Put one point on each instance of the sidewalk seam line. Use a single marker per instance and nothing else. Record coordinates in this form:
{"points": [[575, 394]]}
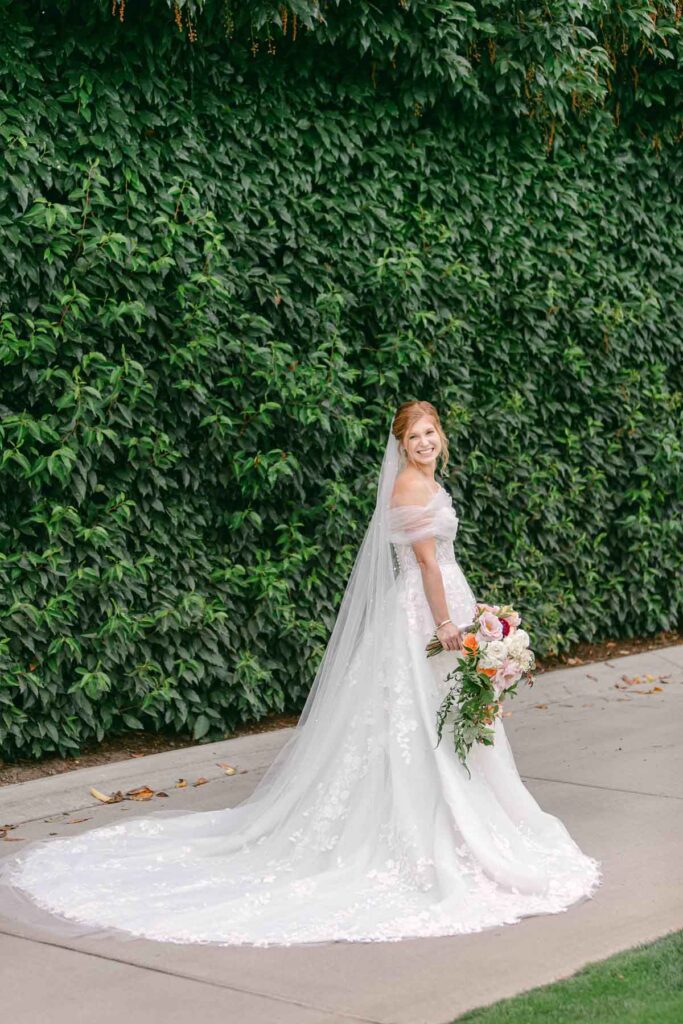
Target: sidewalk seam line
{"points": [[537, 778], [99, 804], [670, 660], [191, 977], [608, 789]]}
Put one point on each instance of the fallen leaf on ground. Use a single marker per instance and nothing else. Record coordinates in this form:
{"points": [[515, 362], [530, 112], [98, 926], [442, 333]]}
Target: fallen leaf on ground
{"points": [[227, 768], [653, 689], [137, 755], [113, 798], [540, 705], [181, 783], [649, 678], [162, 794], [76, 821], [141, 793], [200, 781], [13, 839]]}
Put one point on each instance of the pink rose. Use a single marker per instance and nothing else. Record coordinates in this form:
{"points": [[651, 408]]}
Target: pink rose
{"points": [[508, 673], [514, 618], [490, 628]]}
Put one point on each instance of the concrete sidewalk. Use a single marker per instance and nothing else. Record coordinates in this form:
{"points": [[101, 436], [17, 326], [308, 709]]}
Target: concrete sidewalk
{"points": [[601, 753]]}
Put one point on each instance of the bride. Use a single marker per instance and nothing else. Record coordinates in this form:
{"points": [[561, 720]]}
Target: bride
{"points": [[362, 829]]}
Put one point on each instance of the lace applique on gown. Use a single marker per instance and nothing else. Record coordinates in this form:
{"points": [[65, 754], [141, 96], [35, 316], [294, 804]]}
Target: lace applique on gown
{"points": [[369, 834]]}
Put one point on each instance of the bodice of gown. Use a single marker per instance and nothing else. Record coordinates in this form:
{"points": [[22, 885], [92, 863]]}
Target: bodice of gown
{"points": [[411, 523]]}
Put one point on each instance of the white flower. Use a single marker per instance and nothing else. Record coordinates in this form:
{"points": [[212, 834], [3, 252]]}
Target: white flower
{"points": [[517, 642], [524, 660], [493, 654]]}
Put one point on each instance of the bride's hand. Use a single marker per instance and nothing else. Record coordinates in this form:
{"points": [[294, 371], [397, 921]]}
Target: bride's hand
{"points": [[449, 637]]}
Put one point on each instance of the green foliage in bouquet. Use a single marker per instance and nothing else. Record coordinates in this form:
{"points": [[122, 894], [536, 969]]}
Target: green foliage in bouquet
{"points": [[232, 239], [469, 706], [488, 672]]}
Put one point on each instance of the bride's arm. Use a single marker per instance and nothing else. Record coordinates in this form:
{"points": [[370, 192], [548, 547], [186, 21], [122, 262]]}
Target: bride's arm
{"points": [[432, 580], [408, 493], [432, 583]]}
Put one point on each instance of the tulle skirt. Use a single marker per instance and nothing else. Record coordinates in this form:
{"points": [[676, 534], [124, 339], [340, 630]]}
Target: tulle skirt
{"points": [[366, 831]]}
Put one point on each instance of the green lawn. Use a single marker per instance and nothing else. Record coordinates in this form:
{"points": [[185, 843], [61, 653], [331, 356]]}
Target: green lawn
{"points": [[644, 985]]}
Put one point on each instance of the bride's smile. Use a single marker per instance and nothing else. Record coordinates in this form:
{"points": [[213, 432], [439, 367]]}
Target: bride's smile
{"points": [[423, 445]]}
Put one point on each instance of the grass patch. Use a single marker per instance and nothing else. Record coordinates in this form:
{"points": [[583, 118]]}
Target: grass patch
{"points": [[643, 985]]}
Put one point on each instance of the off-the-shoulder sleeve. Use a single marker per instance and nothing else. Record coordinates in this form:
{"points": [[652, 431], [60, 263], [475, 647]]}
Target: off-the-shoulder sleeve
{"points": [[411, 523]]}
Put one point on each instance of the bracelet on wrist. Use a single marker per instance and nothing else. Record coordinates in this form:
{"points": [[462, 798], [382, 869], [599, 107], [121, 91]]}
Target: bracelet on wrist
{"points": [[442, 623]]}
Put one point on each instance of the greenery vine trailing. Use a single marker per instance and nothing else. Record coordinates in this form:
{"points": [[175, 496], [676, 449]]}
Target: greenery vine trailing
{"points": [[229, 249]]}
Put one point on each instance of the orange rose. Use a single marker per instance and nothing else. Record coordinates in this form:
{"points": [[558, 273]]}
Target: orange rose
{"points": [[470, 643], [490, 672]]}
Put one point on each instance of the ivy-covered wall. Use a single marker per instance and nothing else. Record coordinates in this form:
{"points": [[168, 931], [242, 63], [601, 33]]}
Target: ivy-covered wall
{"points": [[232, 241]]}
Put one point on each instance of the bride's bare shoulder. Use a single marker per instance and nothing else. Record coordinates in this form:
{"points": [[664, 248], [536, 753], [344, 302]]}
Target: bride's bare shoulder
{"points": [[409, 489]]}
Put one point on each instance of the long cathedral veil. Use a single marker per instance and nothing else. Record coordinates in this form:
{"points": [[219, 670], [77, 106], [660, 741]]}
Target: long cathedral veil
{"points": [[363, 608], [362, 620]]}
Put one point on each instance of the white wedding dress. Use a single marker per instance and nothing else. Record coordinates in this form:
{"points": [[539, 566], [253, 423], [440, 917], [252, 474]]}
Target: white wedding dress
{"points": [[364, 831]]}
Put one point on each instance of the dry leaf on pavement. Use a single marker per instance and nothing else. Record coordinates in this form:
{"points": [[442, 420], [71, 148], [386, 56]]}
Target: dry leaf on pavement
{"points": [[113, 798], [141, 793], [649, 678]]}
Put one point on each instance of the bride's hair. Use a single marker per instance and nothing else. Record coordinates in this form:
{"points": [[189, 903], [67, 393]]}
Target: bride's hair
{"points": [[407, 414]]}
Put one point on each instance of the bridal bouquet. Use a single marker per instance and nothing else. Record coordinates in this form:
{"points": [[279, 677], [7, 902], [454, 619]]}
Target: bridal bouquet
{"points": [[496, 655]]}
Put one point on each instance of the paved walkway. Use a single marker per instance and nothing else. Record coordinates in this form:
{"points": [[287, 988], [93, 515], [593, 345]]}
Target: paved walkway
{"points": [[602, 753]]}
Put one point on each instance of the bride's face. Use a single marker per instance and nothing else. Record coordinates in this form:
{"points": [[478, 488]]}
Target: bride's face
{"points": [[422, 442]]}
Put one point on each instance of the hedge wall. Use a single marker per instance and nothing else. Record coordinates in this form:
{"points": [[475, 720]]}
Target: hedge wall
{"points": [[232, 241]]}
